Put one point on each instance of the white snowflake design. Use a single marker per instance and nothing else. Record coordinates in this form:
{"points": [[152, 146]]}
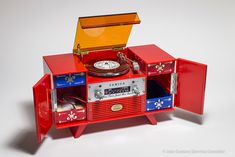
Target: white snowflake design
{"points": [[158, 104], [70, 79], [160, 67], [71, 116]]}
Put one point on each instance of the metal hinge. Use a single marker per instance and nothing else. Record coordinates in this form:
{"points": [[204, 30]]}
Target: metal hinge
{"points": [[79, 52], [174, 83], [117, 48], [53, 100]]}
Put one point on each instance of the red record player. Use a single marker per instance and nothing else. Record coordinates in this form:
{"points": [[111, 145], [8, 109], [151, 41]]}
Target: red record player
{"points": [[103, 80]]}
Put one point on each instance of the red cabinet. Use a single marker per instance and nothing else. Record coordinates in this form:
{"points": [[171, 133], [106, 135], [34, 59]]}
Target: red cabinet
{"points": [[189, 79], [187, 86], [153, 81]]}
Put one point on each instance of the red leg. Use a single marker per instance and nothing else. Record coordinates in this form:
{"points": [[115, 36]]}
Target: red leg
{"points": [[151, 119], [77, 130]]}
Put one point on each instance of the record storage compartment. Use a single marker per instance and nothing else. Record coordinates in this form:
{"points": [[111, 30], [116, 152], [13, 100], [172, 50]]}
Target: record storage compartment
{"points": [[71, 104], [158, 93]]}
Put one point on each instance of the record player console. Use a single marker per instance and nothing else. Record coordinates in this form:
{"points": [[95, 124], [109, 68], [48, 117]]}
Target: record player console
{"points": [[103, 80]]}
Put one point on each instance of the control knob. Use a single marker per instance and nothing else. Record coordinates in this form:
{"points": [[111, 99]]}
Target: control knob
{"points": [[136, 90], [99, 94]]}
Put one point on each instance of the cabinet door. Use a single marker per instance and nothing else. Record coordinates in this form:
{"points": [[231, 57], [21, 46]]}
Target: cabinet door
{"points": [[191, 85], [42, 106]]}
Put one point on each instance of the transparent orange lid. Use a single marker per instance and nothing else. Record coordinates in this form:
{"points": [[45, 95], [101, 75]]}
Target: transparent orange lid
{"points": [[104, 32]]}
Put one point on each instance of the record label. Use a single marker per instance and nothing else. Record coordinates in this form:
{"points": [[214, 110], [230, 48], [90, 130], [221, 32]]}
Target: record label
{"points": [[106, 64]]}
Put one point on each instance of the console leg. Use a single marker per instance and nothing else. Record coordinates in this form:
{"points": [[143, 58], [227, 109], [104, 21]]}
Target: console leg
{"points": [[77, 130], [151, 119]]}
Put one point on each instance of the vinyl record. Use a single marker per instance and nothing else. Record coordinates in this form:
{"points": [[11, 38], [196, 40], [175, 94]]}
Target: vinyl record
{"points": [[107, 68]]}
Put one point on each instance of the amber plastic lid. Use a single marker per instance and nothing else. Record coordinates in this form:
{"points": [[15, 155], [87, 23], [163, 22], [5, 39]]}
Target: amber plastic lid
{"points": [[104, 32]]}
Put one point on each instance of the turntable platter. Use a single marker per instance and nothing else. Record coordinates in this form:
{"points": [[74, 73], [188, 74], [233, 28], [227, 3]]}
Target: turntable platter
{"points": [[107, 68], [106, 64]]}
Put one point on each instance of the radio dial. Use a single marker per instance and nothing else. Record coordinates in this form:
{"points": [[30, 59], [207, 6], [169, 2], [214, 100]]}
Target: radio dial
{"points": [[99, 94], [136, 90]]}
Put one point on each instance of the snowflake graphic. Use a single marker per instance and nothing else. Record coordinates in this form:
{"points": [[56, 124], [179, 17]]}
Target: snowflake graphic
{"points": [[158, 104], [160, 67], [71, 116], [70, 79]]}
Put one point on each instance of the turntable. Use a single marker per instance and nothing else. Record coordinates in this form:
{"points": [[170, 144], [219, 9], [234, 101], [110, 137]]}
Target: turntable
{"points": [[107, 68], [103, 80]]}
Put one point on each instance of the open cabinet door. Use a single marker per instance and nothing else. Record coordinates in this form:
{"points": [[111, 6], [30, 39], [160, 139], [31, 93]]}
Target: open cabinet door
{"points": [[42, 106], [190, 85]]}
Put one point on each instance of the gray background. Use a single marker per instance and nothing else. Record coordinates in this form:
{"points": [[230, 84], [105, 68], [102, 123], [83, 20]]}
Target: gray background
{"points": [[200, 30]]}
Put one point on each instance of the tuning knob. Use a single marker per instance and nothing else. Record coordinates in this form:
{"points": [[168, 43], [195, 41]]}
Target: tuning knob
{"points": [[99, 94], [136, 90]]}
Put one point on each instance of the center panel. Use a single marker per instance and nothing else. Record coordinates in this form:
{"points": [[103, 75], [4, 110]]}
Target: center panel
{"points": [[116, 96], [116, 89]]}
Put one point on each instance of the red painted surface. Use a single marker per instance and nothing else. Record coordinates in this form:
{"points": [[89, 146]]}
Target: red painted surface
{"points": [[153, 60], [131, 105], [72, 124], [191, 85], [151, 119], [42, 106], [151, 54], [78, 130], [71, 115], [64, 64], [160, 68]]}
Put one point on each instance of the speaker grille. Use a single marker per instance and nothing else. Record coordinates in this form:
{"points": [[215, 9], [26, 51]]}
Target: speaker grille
{"points": [[130, 105]]}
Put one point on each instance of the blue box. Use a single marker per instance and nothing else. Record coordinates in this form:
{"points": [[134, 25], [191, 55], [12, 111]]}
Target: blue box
{"points": [[159, 103], [69, 80]]}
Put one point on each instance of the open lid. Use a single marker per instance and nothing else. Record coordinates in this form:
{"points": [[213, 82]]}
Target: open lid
{"points": [[104, 32]]}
